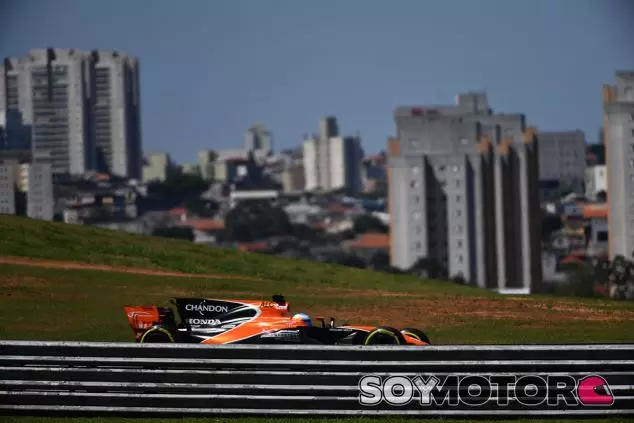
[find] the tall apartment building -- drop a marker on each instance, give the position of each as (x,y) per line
(257,138)
(11,126)
(27,178)
(463,189)
(562,159)
(596,180)
(619,152)
(8,186)
(38,173)
(332,162)
(82,107)
(115,120)
(206,159)
(156,167)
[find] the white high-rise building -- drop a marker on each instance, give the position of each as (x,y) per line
(40,201)
(619,158)
(332,162)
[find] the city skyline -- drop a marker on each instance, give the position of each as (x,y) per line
(551,70)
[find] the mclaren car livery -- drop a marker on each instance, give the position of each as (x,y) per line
(222,321)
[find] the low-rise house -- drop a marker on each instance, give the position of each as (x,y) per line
(596,216)
(205,230)
(303,212)
(368,244)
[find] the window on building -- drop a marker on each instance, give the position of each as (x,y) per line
(416,170)
(459,259)
(458,213)
(413,184)
(418,246)
(458,198)
(458,228)
(459,243)
(464,141)
(417,199)
(602,236)
(631,117)
(455,168)
(457,183)
(418,230)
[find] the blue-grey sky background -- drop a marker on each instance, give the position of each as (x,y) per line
(210,68)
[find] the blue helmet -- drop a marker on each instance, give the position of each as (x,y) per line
(304,318)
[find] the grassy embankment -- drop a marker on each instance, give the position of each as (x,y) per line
(74,304)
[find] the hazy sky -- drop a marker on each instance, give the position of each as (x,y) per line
(210,68)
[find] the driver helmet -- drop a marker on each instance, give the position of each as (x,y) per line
(304,318)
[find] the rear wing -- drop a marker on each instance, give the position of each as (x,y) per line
(142,318)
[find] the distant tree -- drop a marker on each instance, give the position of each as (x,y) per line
(459,279)
(550,223)
(347,234)
(368,223)
(178,188)
(394,270)
(580,281)
(101,214)
(351,260)
(20,203)
(174,232)
(201,207)
(602,196)
(380,260)
(428,267)
(252,220)
(304,232)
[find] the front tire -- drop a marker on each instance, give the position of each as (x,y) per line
(384,335)
(416,333)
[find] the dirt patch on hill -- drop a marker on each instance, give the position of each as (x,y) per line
(457,310)
(54,264)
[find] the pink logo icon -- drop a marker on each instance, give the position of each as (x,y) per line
(594,390)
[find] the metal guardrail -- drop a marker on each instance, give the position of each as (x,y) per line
(72,378)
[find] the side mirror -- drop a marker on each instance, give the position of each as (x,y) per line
(332,322)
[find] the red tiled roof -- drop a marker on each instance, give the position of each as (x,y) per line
(595,211)
(208,224)
(371,240)
(203,224)
(252,246)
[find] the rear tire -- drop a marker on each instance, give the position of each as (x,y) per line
(384,335)
(416,333)
(158,335)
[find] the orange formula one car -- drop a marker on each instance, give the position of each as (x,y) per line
(220,321)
